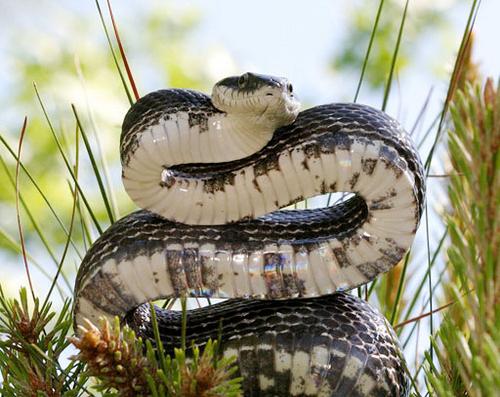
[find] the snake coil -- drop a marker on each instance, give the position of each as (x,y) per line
(212,174)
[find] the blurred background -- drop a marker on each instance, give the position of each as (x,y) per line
(320,46)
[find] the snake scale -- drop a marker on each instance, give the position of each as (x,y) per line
(212,175)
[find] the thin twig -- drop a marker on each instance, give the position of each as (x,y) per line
(421,114)
(122,52)
(111,49)
(394,57)
(444,175)
(423,315)
(368,50)
(18,212)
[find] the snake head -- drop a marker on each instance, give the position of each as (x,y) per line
(265,99)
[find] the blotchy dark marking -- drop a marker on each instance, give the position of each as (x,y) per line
(346,384)
(284,343)
(354,180)
(369,270)
(323,187)
(273,274)
(266,165)
(104,293)
(213,185)
(208,276)
(329,142)
(368,165)
(312,151)
(198,118)
(249,366)
(343,142)
(265,357)
(341,256)
(192,268)
(256,185)
(152,108)
(390,159)
(304,164)
(394,253)
(176,271)
(345,325)
(294,285)
(229,178)
(319,373)
(378,204)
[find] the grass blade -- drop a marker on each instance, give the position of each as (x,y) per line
(40,191)
(418,290)
(422,111)
(122,53)
(368,50)
(66,162)
(100,153)
(18,213)
(16,247)
(429,278)
(402,280)
(115,59)
(63,256)
(394,58)
(33,221)
(94,167)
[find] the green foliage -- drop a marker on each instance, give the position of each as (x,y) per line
(424,19)
(32,349)
(111,359)
(125,366)
(61,77)
(468,341)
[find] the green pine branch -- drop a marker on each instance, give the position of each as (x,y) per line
(467,343)
(111,360)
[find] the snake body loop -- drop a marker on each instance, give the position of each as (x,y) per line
(211,175)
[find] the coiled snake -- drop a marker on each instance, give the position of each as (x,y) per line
(211,174)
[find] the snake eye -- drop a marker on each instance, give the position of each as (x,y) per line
(289,87)
(243,80)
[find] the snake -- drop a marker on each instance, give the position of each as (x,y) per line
(215,178)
